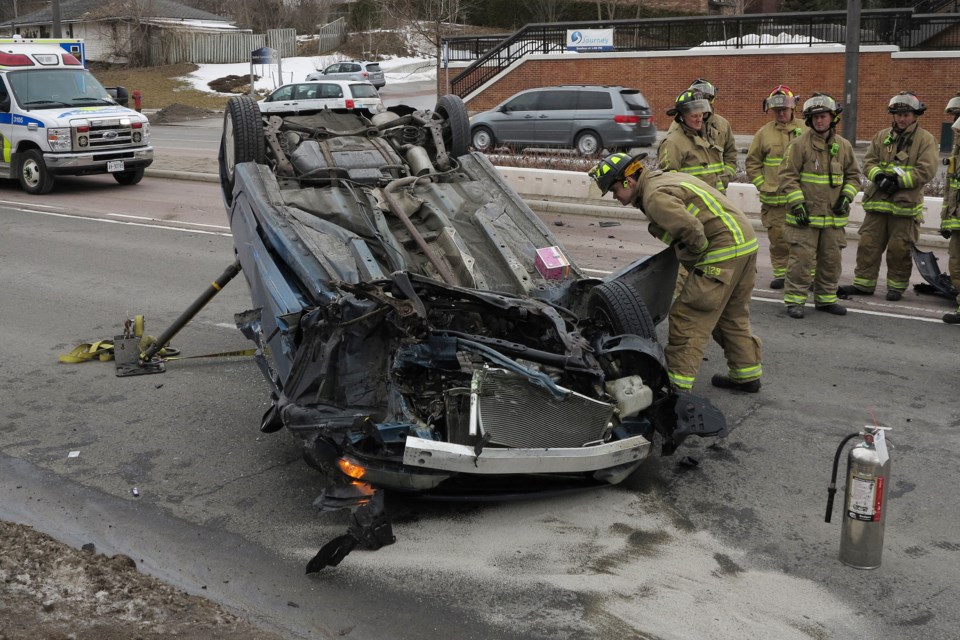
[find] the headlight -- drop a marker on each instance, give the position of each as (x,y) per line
(59,139)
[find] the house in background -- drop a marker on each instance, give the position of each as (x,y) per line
(122,31)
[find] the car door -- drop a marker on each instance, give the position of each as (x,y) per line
(554,119)
(332,72)
(280,100)
(514,121)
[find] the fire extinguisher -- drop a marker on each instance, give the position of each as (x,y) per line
(865,509)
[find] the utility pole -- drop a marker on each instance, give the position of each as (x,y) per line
(55,10)
(851,72)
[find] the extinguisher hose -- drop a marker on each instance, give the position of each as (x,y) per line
(832,489)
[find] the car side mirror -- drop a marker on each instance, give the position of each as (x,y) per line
(504,109)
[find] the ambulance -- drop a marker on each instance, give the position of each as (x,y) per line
(57,120)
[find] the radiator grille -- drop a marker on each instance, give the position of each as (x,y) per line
(517,413)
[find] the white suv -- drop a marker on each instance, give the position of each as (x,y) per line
(329,94)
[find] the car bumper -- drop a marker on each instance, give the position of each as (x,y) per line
(96,162)
(431,454)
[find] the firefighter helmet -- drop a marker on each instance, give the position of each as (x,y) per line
(821,103)
(689,102)
(705,87)
(615,167)
(780,97)
(905,102)
(953,107)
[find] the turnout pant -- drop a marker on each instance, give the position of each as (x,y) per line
(714,301)
(896,234)
(774,219)
(954,253)
(814,256)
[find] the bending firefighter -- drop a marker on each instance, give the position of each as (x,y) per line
(950,214)
(900,161)
(763,170)
(716,244)
(820,178)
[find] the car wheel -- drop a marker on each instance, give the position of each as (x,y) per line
(128,177)
(483,139)
(588,143)
(617,308)
(242,140)
(456,128)
(35,179)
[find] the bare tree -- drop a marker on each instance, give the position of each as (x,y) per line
(609,7)
(429,19)
(546,10)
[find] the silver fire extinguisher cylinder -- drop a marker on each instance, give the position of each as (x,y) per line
(865,504)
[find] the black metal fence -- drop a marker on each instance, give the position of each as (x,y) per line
(901,27)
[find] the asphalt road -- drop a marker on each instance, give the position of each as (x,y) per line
(733,548)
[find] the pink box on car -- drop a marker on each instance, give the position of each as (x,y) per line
(552,264)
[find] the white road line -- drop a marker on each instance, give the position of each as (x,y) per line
(195,224)
(133,224)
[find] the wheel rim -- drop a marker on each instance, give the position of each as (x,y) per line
(31,173)
(481,140)
(228,151)
(587,145)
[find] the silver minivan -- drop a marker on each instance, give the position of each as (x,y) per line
(352,70)
(587,118)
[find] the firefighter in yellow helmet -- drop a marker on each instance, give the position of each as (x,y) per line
(900,161)
(950,213)
(820,178)
(717,245)
(687,146)
(763,170)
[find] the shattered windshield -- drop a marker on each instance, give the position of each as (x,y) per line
(47,88)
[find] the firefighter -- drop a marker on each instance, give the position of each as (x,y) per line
(900,161)
(950,213)
(763,167)
(719,130)
(819,177)
(716,243)
(687,147)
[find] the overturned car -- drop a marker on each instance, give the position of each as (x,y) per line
(421,329)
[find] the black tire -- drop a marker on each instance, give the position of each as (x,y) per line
(128,178)
(588,143)
(618,309)
(241,141)
(456,128)
(34,177)
(483,139)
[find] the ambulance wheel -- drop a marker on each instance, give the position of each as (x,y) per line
(617,308)
(456,127)
(242,140)
(128,177)
(35,179)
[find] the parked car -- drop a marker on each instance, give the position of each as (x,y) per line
(420,329)
(329,94)
(587,118)
(352,70)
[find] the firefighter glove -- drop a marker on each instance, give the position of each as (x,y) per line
(945,233)
(842,207)
(887,183)
(800,214)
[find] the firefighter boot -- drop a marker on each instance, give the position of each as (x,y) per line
(893,295)
(851,290)
(726,382)
(795,310)
(952,318)
(776,283)
(835,309)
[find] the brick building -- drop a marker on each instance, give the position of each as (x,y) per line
(744,77)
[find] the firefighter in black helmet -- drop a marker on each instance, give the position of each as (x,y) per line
(715,242)
(687,146)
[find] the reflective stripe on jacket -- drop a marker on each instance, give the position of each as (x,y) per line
(815,172)
(690,152)
(765,156)
(912,156)
(703,225)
